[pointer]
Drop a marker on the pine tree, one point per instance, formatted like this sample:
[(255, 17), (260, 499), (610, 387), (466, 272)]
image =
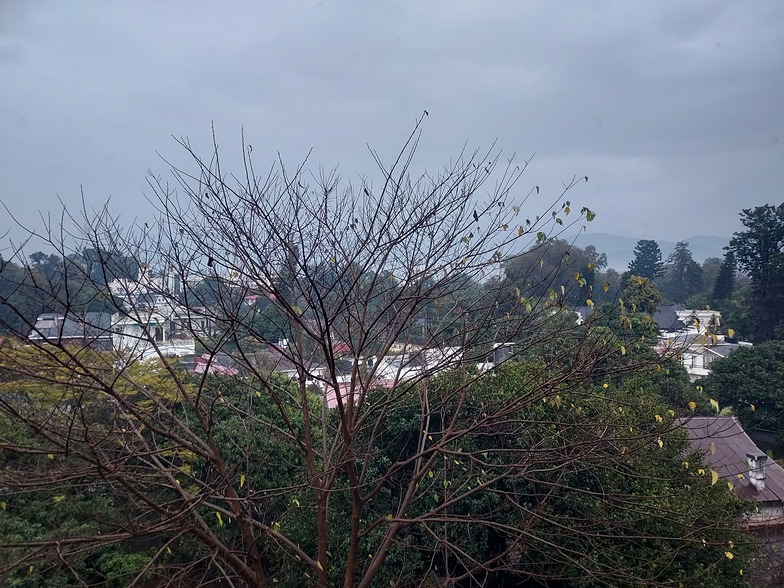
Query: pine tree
[(647, 262), (759, 251), (725, 280), (686, 273)]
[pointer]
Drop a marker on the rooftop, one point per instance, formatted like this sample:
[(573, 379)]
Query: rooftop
[(729, 458)]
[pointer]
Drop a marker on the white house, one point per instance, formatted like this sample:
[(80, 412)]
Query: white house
[(691, 335)]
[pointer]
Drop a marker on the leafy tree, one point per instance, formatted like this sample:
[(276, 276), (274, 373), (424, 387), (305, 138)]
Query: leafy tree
[(759, 250), (736, 312), (48, 264), (749, 380), (641, 295), (710, 269), (556, 263), (20, 302), (725, 279), (647, 262)]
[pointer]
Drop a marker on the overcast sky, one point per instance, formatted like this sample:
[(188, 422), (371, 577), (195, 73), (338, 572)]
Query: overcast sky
[(675, 110)]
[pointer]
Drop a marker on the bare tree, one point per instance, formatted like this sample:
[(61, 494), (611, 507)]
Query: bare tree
[(393, 439)]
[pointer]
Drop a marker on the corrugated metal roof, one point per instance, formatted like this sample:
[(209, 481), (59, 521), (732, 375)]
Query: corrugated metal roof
[(729, 459)]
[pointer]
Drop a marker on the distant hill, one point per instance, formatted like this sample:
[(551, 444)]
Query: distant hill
[(620, 250)]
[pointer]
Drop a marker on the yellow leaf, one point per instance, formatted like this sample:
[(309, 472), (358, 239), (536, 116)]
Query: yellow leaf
[(242, 480), (623, 350), (670, 411), (731, 486), (685, 465), (701, 472), (3, 505), (753, 408), (713, 448), (563, 290), (730, 544), (714, 477), (589, 302), (740, 571), (715, 404), (728, 554), (50, 455), (319, 566), (731, 332), (660, 442), (220, 518), (520, 231), (605, 385), (659, 418), (692, 405), (606, 286), (430, 474)]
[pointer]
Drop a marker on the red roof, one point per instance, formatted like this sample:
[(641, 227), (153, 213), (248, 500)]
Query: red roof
[(345, 391), (341, 348), (729, 459)]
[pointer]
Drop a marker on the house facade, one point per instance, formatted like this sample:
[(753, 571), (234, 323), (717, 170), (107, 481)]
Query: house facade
[(692, 336)]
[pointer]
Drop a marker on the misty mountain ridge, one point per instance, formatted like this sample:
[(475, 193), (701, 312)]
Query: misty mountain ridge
[(620, 250)]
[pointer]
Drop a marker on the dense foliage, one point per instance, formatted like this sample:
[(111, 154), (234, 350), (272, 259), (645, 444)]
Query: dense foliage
[(749, 380), (630, 505), (759, 250)]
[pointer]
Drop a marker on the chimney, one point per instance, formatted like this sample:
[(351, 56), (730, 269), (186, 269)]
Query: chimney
[(756, 476)]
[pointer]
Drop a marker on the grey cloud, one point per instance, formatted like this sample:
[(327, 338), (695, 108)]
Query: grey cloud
[(667, 107)]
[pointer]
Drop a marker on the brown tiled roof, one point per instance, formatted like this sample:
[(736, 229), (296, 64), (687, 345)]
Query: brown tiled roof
[(729, 459)]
